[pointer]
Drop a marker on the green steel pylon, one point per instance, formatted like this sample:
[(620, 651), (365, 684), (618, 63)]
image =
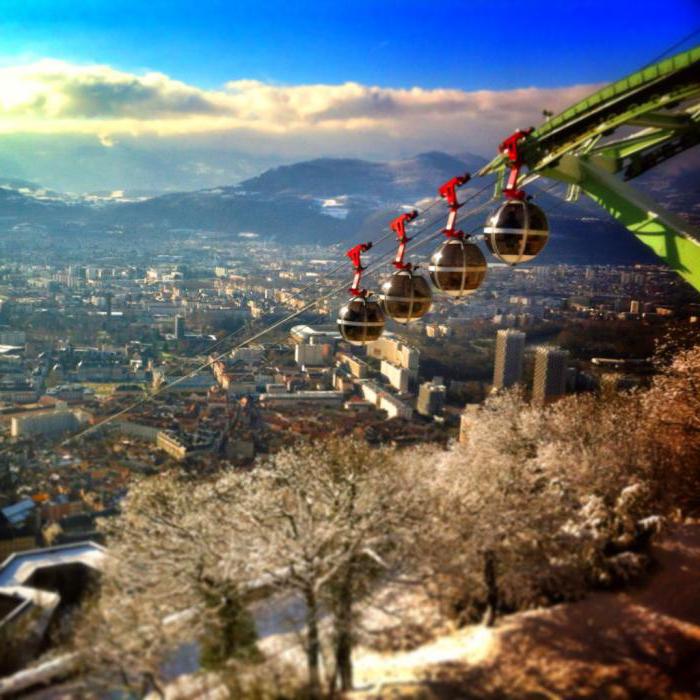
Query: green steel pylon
[(575, 147)]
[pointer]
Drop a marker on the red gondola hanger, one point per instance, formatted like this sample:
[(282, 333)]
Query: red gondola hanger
[(355, 255), (361, 320), (448, 191), (510, 147), (398, 226), (406, 295), (458, 267)]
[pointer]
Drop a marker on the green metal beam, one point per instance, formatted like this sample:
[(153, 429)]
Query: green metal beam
[(626, 148), (574, 147), (651, 157), (642, 86), (658, 120), (673, 239), (641, 95), (542, 157), (648, 147)]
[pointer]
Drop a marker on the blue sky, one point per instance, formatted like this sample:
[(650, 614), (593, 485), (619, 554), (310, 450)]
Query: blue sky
[(470, 44), (160, 95)]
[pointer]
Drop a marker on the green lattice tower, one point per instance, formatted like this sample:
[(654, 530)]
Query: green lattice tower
[(579, 147)]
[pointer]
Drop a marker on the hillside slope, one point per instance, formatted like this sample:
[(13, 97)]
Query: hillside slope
[(321, 201), (640, 643)]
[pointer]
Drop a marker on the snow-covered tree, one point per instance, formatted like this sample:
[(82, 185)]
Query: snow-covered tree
[(538, 506), (671, 427), (319, 520)]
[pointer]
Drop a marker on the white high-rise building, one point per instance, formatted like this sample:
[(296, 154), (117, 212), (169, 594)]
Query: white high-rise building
[(47, 423), (549, 382), (508, 363), (312, 355), (394, 350), (179, 327), (11, 337)]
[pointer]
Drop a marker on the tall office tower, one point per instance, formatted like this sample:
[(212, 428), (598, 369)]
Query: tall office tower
[(179, 327), (508, 363), (549, 382)]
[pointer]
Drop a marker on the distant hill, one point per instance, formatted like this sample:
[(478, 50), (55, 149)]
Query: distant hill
[(312, 201), (328, 199), (332, 177), (17, 206)]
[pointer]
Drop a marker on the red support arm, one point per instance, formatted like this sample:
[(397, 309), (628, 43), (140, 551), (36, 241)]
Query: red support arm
[(448, 189), (510, 148), (398, 226), (355, 255)]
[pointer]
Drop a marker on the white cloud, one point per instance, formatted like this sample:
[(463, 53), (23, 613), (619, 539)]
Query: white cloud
[(106, 140), (56, 97)]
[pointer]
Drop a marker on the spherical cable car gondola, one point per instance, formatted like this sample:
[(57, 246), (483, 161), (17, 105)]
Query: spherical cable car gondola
[(406, 295), (458, 267), (517, 231), (361, 320)]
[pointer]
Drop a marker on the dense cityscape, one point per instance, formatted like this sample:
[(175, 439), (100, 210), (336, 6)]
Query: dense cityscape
[(83, 343)]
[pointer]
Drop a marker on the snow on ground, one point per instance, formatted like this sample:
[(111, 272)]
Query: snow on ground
[(280, 624), (472, 645), (336, 207), (643, 642)]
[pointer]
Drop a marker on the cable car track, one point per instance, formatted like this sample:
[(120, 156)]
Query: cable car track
[(662, 101)]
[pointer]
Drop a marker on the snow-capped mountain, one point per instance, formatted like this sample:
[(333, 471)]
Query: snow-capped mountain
[(327, 199)]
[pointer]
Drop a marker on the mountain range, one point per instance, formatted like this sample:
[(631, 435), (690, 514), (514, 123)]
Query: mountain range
[(327, 199)]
